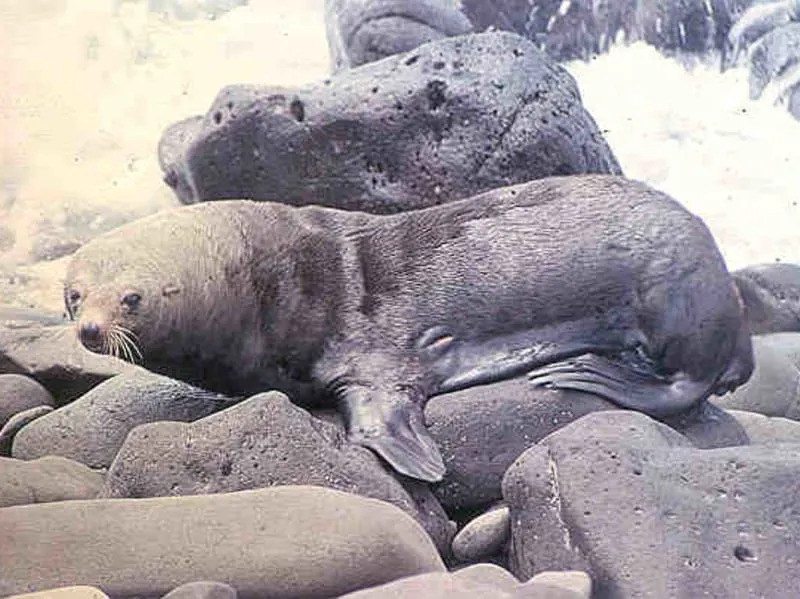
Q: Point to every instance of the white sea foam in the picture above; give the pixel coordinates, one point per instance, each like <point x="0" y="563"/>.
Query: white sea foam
<point x="89" y="87"/>
<point x="696" y="135"/>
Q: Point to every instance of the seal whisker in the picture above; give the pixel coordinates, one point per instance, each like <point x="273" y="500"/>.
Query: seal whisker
<point x="113" y="343"/>
<point x="122" y="349"/>
<point x="127" y="339"/>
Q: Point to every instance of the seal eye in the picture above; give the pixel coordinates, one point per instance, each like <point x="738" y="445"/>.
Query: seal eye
<point x="72" y="298"/>
<point x="131" y="300"/>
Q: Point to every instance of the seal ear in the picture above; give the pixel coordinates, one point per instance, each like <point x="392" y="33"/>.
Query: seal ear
<point x="170" y="289"/>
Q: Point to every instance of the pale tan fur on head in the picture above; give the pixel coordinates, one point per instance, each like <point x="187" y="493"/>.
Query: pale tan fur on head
<point x="152" y="282"/>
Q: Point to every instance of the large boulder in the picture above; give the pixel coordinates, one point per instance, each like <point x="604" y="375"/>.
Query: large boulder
<point x="773" y="66"/>
<point x="261" y="442"/>
<point x="53" y="356"/>
<point x="47" y="479"/>
<point x="91" y="429"/>
<point x="19" y="393"/>
<point x="203" y="589"/>
<point x="282" y="543"/>
<point x="362" y="31"/>
<point x="762" y="429"/>
<point x="449" y="120"/>
<point x="774" y="387"/>
<point x="771" y="295"/>
<point x="482" y="430"/>
<point x="75" y="592"/>
<point x="481" y="581"/>
<point x="693" y="522"/>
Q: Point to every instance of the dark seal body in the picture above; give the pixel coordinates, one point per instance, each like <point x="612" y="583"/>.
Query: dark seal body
<point x="594" y="283"/>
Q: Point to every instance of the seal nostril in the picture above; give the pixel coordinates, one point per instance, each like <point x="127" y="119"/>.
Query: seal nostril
<point x="90" y="333"/>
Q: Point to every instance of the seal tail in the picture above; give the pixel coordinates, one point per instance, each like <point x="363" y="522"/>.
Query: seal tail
<point x="625" y="380"/>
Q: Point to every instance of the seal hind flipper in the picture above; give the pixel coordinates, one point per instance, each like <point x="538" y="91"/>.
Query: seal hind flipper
<point x="625" y="380"/>
<point x="394" y="428"/>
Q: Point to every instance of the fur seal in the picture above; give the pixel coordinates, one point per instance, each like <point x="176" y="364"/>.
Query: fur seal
<point x="594" y="283"/>
<point x="771" y="295"/>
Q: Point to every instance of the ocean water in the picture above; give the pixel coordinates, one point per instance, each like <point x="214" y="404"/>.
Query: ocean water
<point x="89" y="87"/>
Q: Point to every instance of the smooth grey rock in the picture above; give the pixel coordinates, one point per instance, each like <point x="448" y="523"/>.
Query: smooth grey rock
<point x="484" y="536"/>
<point x="92" y="428"/>
<point x="47" y="479"/>
<point x="261" y="442"/>
<point x="439" y="585"/>
<point x="18" y="393"/>
<point x="362" y="31"/>
<point x="203" y="590"/>
<point x="480" y="431"/>
<point x="76" y="592"/>
<point x="16" y="423"/>
<point x="282" y="543"/>
<point x="762" y="429"/>
<point x="449" y="120"/>
<point x="695" y="522"/>
<point x="488" y="574"/>
<point x="771" y="295"/>
<point x="774" y="387"/>
<point x="16" y="317"/>
<point x="52" y="356"/>
<point x="479" y="582"/>
<point x="559" y="585"/>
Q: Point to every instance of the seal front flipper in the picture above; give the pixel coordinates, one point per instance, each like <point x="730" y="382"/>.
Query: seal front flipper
<point x="392" y="425"/>
<point x="627" y="379"/>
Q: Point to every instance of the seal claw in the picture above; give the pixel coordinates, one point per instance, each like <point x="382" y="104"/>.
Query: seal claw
<point x="627" y="382"/>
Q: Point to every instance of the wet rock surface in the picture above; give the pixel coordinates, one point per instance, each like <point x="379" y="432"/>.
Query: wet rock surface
<point x="446" y="121"/>
<point x="276" y="542"/>
<point x="262" y="442"/>
<point x="565" y="31"/>
<point x="696" y="521"/>
<point x="91" y="429"/>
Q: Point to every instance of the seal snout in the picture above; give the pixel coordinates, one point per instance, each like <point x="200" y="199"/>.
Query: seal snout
<point x="91" y="335"/>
